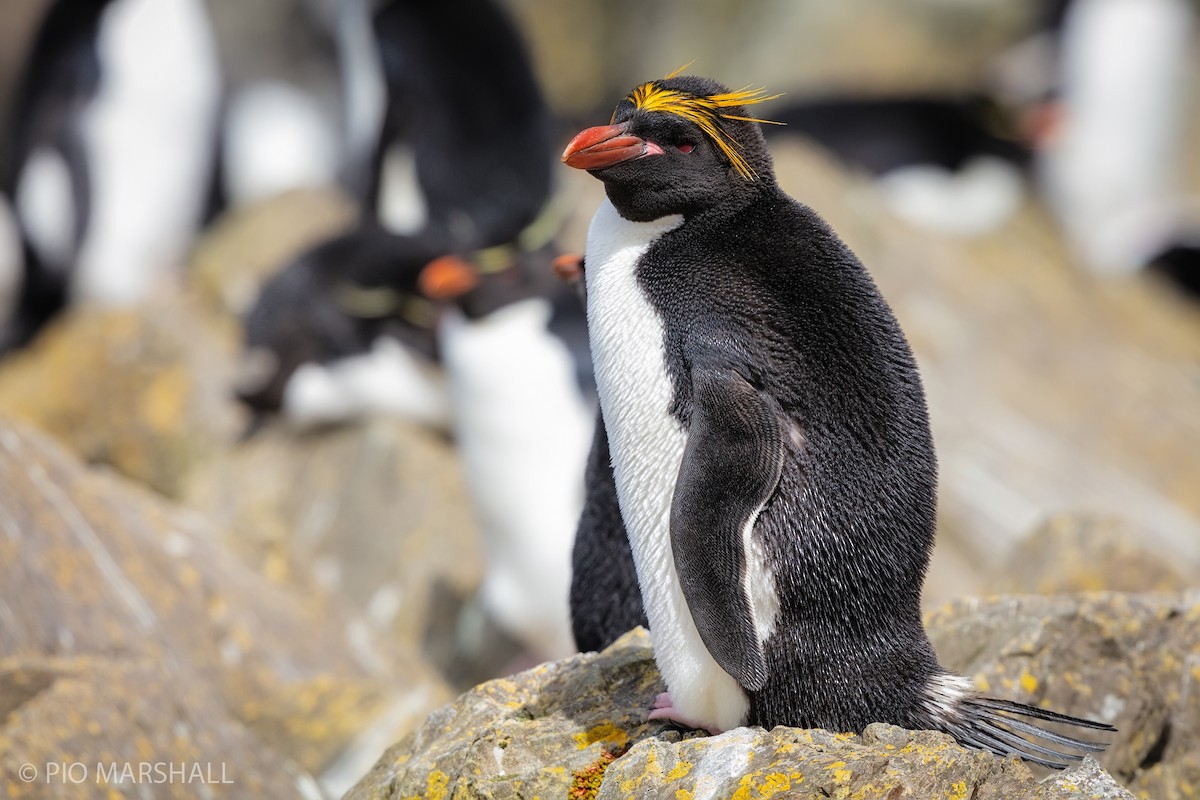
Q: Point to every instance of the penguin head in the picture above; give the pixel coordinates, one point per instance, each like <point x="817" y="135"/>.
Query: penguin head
<point x="679" y="145"/>
<point x="330" y="303"/>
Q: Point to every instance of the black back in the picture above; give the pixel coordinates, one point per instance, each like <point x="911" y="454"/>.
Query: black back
<point x="884" y="134"/>
<point x="755" y="283"/>
<point x="60" y="77"/>
<point x="605" y="598"/>
<point x="462" y="94"/>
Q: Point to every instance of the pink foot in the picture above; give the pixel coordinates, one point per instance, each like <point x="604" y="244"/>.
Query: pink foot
<point x="665" y="709"/>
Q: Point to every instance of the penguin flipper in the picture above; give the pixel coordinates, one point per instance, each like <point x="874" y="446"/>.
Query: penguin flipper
<point x="731" y="467"/>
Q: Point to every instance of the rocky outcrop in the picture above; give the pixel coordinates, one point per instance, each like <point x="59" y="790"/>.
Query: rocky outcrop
<point x="374" y="512"/>
<point x="233" y="259"/>
<point x="872" y="46"/>
<point x="144" y="390"/>
<point x="1085" y="553"/>
<point x="1127" y="659"/>
<point x="578" y="729"/>
<point x="115" y="603"/>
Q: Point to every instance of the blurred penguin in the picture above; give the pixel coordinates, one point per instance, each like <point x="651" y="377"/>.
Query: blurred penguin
<point x="110" y="152"/>
<point x="1103" y="85"/>
<point x="293" y="72"/>
<point x="465" y="150"/>
<point x="460" y="161"/>
<point x="948" y="164"/>
<point x="1109" y="166"/>
<point x="344" y="331"/>
<point x="461" y="178"/>
<point x="523" y="401"/>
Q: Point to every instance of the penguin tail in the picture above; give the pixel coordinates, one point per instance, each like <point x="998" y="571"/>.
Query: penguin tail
<point x="1007" y="728"/>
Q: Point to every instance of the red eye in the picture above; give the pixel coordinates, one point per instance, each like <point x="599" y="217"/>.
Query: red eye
<point x="685" y="148"/>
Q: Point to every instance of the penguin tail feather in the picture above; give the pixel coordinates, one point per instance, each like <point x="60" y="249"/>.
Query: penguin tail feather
<point x="1001" y="727"/>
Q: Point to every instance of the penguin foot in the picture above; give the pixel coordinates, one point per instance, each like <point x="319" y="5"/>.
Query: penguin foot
<point x="665" y="709"/>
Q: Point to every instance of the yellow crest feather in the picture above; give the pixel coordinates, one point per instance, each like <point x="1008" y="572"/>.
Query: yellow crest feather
<point x="705" y="112"/>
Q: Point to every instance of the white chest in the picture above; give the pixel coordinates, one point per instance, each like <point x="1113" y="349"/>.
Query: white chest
<point x="523" y="429"/>
<point x="647" y="444"/>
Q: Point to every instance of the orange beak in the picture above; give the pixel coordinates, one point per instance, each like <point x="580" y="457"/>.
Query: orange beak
<point x="602" y="146"/>
<point x="446" y="278"/>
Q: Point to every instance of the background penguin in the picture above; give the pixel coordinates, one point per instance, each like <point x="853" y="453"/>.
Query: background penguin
<point x="466" y="123"/>
<point x="523" y="405"/>
<point x="516" y="390"/>
<point x="460" y="161"/>
<point x="109" y="159"/>
<point x="947" y="164"/>
<point x="344" y="331"/>
<point x="770" y="447"/>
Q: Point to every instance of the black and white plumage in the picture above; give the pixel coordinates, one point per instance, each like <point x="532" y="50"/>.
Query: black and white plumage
<point x="461" y="165"/>
<point x="770" y="447"/>
<point x="108" y="160"/>
<point x="344" y="330"/>
<point x="944" y="163"/>
<point x="466" y="122"/>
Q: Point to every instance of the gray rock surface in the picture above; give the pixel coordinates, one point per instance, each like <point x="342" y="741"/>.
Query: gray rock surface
<point x="374" y="512"/>
<point x="578" y="728"/>
<point x="111" y="598"/>
<point x="1132" y="660"/>
<point x="1087" y="553"/>
<point x="144" y="390"/>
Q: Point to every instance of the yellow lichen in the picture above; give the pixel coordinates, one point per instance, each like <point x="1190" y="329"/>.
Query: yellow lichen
<point x="680" y="770"/>
<point x="606" y="733"/>
<point x="1028" y="682"/>
<point x="436" y="789"/>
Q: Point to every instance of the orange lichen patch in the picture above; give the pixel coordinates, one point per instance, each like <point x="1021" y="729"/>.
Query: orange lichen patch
<point x="585" y="783"/>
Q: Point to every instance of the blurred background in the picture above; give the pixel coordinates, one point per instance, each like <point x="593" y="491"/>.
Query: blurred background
<point x="294" y="411"/>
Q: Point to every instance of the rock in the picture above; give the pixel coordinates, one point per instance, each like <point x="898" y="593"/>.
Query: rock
<point x="577" y="728"/>
<point x="233" y="259"/>
<point x="1127" y="659"/>
<point x="94" y="569"/>
<point x="375" y="510"/>
<point x="1081" y="553"/>
<point x="884" y="762"/>
<point x="143" y="390"/>
<point x="593" y="53"/>
<point x="81" y="723"/>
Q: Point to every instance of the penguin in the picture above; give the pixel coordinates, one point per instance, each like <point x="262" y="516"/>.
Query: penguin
<point x="522" y="400"/>
<point x="948" y="164"/>
<point x="459" y="162"/>
<point x="512" y="382"/>
<point x="344" y="331"/>
<point x="109" y="157"/>
<point x="466" y="148"/>
<point x="770" y="446"/>
<point x="1110" y="171"/>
